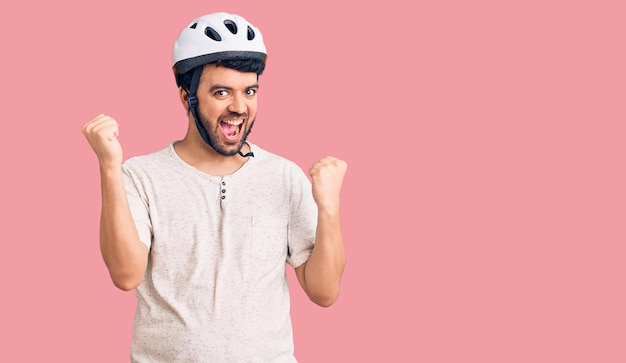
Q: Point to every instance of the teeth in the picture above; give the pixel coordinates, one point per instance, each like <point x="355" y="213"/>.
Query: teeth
<point x="233" y="122"/>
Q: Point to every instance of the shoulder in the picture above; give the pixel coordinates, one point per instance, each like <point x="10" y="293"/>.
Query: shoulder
<point x="139" y="161"/>
<point x="152" y="164"/>
<point x="273" y="167"/>
<point x="266" y="158"/>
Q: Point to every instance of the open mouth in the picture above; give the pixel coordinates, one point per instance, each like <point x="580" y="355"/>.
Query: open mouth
<point x="232" y="128"/>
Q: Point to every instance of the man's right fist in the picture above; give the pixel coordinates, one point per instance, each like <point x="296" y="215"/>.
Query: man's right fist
<point x="101" y="133"/>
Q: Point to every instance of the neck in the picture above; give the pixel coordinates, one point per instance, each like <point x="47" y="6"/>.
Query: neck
<point x="204" y="158"/>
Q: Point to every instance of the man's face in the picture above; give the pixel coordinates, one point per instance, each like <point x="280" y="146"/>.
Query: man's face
<point x="227" y="106"/>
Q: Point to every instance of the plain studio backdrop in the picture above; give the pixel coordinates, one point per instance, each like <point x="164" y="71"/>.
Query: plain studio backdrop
<point x="484" y="206"/>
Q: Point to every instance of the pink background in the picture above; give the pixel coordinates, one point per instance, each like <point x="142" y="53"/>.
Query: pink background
<point x="484" y="205"/>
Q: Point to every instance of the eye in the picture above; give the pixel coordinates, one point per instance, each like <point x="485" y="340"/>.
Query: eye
<point x="251" y="91"/>
<point x="221" y="93"/>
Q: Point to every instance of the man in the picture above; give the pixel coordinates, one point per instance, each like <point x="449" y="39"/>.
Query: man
<point x="203" y="228"/>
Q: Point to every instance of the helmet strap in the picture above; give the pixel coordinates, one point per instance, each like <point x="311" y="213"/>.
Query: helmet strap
<point x="192" y="102"/>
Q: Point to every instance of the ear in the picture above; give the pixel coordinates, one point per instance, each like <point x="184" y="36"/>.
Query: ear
<point x="184" y="96"/>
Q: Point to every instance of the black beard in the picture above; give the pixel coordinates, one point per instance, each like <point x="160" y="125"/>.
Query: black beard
<point x="213" y="138"/>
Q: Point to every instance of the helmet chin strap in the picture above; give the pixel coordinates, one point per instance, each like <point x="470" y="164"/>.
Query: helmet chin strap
<point x="249" y="153"/>
<point x="192" y="103"/>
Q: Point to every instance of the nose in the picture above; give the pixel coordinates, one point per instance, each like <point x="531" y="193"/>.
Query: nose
<point x="237" y="104"/>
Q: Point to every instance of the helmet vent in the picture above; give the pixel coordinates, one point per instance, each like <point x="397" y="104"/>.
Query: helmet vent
<point x="193" y="26"/>
<point x="211" y="33"/>
<point x="250" y="33"/>
<point x="231" y="26"/>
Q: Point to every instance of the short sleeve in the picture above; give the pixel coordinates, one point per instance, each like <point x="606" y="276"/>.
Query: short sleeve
<point x="139" y="207"/>
<point x="302" y="220"/>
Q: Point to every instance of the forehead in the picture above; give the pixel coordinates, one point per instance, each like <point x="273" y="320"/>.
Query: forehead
<point x="218" y="75"/>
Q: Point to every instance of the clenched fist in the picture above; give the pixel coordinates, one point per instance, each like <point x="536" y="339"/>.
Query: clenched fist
<point x="327" y="176"/>
<point x="101" y="133"/>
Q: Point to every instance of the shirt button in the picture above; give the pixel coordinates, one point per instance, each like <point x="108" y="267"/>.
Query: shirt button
<point x="223" y="197"/>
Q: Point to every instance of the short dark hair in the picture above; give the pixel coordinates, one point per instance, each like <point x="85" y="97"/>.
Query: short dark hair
<point x="239" y="64"/>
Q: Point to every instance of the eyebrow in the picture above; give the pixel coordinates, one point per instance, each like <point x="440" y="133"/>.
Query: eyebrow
<point x="219" y="86"/>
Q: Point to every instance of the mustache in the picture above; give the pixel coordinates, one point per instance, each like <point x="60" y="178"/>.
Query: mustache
<point x="233" y="115"/>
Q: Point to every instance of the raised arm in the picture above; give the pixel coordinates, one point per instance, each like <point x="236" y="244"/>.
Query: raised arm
<point x="124" y="254"/>
<point x="320" y="276"/>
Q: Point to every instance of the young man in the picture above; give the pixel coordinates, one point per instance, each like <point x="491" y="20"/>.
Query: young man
<point x="203" y="228"/>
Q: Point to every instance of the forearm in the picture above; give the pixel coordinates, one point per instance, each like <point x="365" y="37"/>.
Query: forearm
<point x="325" y="266"/>
<point x="123" y="253"/>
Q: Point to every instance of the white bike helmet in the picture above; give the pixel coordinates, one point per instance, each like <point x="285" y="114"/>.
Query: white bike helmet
<point x="215" y="37"/>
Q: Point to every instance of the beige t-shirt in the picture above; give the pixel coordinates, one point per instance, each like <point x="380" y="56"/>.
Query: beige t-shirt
<point x="215" y="289"/>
